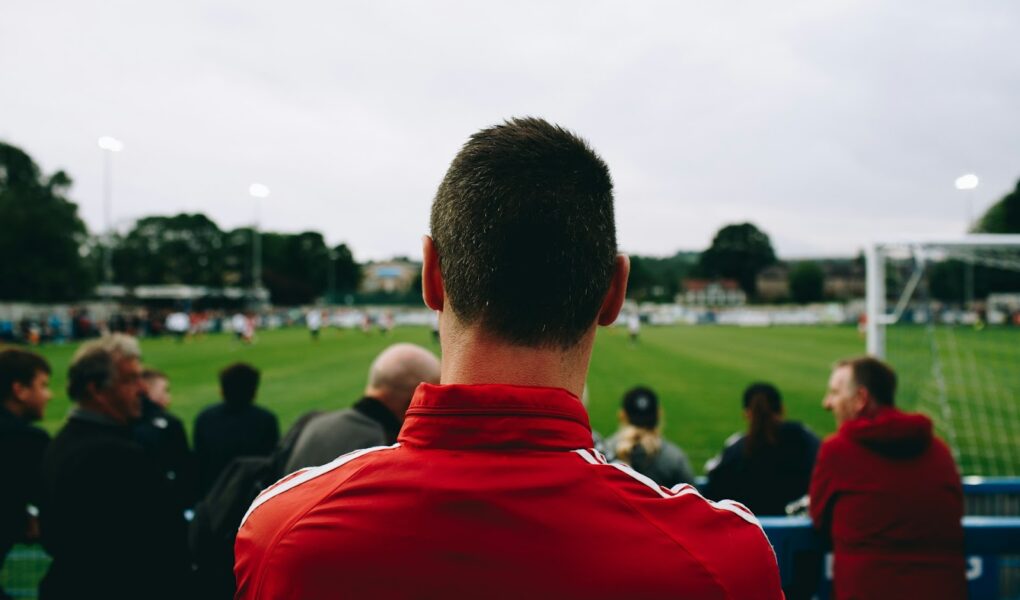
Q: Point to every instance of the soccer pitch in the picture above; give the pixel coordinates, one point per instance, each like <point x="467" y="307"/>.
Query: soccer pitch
<point x="699" y="373"/>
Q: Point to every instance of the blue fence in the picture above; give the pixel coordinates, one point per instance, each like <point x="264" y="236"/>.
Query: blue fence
<point x="991" y="529"/>
<point x="991" y="544"/>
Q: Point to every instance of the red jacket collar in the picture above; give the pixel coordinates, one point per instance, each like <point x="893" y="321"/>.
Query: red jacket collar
<point x="495" y="417"/>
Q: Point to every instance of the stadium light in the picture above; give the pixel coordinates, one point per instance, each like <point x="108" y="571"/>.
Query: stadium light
<point x="258" y="190"/>
<point x="967" y="182"/>
<point x="110" y="144"/>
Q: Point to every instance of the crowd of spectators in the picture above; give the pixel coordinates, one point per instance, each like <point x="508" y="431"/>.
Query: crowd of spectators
<point x="488" y="483"/>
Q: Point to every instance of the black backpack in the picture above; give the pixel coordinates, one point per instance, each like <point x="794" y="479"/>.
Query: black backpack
<point x="218" y="515"/>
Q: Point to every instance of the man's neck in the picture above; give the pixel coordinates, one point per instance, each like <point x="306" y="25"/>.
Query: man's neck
<point x="14" y="408"/>
<point x="473" y="357"/>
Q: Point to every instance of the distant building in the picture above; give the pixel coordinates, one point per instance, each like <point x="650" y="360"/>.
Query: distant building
<point x="395" y="276"/>
<point x="773" y="283"/>
<point x="844" y="279"/>
<point x="718" y="292"/>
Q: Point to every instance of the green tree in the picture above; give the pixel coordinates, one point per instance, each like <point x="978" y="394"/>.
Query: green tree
<point x="807" y="282"/>
<point x="1003" y="216"/>
<point x="180" y="249"/>
<point x="346" y="271"/>
<point x="658" y="279"/>
<point x="295" y="266"/>
<point x="43" y="242"/>
<point x="738" y="252"/>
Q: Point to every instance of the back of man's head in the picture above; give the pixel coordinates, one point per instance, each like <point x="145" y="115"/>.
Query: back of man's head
<point x="523" y="226"/>
<point x="397" y="371"/>
<point x="238" y="384"/>
<point x="95" y="363"/>
<point x="875" y="376"/>
<point x="19" y="366"/>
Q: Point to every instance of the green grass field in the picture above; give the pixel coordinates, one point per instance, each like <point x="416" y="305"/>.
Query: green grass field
<point x="699" y="371"/>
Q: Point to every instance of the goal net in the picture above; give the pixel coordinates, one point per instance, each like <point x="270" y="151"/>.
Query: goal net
<point x="946" y="315"/>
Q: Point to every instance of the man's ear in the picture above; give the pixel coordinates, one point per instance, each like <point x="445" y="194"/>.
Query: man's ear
<point x="431" y="277"/>
<point x="20" y="391"/>
<point x="862" y="400"/>
<point x="617" y="293"/>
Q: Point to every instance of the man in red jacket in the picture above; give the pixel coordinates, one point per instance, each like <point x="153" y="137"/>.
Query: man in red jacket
<point x="887" y="491"/>
<point x="493" y="488"/>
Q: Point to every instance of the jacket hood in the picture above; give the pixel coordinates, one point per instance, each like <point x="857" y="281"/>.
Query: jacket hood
<point x="891" y="432"/>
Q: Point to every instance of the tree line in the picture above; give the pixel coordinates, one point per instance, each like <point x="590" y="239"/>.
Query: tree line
<point x="50" y="256"/>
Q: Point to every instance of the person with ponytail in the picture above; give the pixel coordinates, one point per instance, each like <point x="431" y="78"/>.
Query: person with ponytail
<point x="639" y="443"/>
<point x="769" y="466"/>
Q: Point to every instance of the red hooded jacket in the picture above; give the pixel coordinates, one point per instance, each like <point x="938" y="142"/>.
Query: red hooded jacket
<point x="494" y="491"/>
<point x="889" y="494"/>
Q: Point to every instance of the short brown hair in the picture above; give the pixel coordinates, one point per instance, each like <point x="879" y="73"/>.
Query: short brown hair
<point x="524" y="228"/>
<point x="873" y="375"/>
<point x="19" y="366"/>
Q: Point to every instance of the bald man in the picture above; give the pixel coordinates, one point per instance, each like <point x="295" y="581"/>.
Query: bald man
<point x="374" y="420"/>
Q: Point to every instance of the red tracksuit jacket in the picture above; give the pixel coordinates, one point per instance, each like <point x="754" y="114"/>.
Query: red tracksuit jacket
<point x="888" y="492"/>
<point x="494" y="491"/>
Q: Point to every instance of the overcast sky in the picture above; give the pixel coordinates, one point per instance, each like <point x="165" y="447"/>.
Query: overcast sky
<point x="826" y="123"/>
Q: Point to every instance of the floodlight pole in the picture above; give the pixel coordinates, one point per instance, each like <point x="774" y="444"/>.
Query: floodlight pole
<point x="256" y="252"/>
<point x="257" y="191"/>
<point x="874" y="263"/>
<point x="107" y="218"/>
<point x="109" y="146"/>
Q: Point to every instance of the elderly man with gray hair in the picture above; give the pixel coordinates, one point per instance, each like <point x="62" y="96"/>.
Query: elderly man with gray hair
<point x="109" y="521"/>
<point x="375" y="419"/>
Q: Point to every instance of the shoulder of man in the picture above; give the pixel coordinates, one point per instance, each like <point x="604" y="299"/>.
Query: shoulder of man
<point x="279" y="506"/>
<point x="724" y="536"/>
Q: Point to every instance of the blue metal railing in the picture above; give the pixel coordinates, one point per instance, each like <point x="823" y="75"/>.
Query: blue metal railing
<point x="986" y="541"/>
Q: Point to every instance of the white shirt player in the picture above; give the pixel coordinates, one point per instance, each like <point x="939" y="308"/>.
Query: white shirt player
<point x="634" y="324"/>
<point x="314" y="320"/>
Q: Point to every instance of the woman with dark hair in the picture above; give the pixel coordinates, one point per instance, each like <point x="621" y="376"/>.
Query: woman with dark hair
<point x="769" y="466"/>
<point x="639" y="443"/>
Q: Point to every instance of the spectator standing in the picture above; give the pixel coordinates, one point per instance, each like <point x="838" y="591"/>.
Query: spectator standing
<point x="493" y="488"/>
<point x="162" y="434"/>
<point x="768" y="467"/>
<point x="375" y="419"/>
<point x="107" y="520"/>
<point x="639" y="442"/>
<point x="24" y="393"/>
<point x="235" y="427"/>
<point x="888" y="492"/>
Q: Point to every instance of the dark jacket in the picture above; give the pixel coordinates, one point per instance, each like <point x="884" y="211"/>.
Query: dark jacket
<point x="107" y="522"/>
<point x="224" y="432"/>
<point x="769" y="479"/>
<point x="21" y="452"/>
<point x="889" y="494"/>
<point x="366" y="424"/>
<point x="162" y="435"/>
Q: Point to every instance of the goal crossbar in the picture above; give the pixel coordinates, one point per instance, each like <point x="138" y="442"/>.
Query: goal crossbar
<point x="965" y="248"/>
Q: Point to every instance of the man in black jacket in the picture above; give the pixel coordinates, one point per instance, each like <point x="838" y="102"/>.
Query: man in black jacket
<point x="24" y="392"/>
<point x="162" y="434"/>
<point x="109" y="524"/>
<point x="234" y="427"/>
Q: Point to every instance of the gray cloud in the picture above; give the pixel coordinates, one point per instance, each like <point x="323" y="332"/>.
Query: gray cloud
<point x="828" y="124"/>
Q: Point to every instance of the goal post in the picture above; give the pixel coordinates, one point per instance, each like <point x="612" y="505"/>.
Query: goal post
<point x="957" y="353"/>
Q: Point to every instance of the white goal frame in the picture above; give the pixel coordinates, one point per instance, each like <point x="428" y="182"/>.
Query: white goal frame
<point x="963" y="248"/>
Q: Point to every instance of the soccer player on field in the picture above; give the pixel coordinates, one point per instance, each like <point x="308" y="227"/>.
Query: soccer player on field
<point x="493" y="488"/>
